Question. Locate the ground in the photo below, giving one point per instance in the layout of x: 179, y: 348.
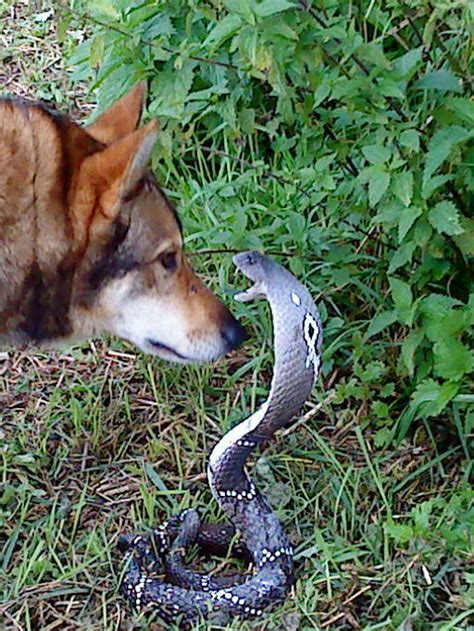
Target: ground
x: 100, y: 439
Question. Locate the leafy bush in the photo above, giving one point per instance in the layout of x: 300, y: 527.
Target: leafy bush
x: 338, y: 134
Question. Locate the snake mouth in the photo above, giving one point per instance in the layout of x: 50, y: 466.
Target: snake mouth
x: 255, y: 292
x: 250, y: 264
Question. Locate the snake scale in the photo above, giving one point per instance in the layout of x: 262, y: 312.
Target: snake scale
x: 185, y: 596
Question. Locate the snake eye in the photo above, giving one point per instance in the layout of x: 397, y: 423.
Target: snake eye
x: 169, y: 261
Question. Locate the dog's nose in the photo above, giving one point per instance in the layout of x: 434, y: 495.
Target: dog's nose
x: 233, y: 333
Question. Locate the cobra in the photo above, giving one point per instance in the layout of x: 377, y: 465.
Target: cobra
x: 186, y: 596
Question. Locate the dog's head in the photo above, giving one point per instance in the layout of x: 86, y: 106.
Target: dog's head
x: 136, y: 281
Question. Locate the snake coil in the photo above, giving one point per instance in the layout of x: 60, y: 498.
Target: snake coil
x: 186, y: 596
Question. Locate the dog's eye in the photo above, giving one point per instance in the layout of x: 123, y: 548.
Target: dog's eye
x: 169, y: 261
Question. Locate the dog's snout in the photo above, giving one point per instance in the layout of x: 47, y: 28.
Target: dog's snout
x: 233, y: 333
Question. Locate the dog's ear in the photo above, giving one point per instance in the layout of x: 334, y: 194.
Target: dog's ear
x: 111, y: 174
x: 120, y: 119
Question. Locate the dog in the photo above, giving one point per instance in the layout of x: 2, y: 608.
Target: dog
x: 90, y: 244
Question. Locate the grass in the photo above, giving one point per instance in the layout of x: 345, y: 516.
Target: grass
x: 99, y: 440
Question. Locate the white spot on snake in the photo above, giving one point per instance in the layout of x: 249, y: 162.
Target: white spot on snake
x: 295, y: 299
x: 311, y: 332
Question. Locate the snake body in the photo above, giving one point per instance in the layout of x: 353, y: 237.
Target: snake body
x: 187, y: 596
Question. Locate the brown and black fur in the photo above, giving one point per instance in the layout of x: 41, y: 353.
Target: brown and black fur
x: 90, y: 244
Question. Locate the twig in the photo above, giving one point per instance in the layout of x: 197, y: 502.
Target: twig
x: 334, y: 619
x: 453, y: 62
x: 237, y: 250
x: 149, y: 42
x: 309, y: 9
x: 309, y: 414
x: 348, y: 600
x: 398, y: 576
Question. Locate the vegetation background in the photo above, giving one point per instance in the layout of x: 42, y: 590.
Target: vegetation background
x: 336, y: 135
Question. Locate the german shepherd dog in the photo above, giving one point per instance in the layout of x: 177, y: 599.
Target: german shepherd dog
x: 89, y: 243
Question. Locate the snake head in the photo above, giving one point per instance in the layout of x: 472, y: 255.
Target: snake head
x: 253, y: 265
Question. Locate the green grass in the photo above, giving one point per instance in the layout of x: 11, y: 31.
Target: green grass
x: 100, y: 440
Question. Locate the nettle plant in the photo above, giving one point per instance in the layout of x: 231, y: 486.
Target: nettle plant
x: 340, y: 134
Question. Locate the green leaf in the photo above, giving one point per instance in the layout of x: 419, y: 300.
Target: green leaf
x: 383, y: 437
x: 422, y: 232
x: 421, y: 514
x: 464, y: 108
x: 224, y: 29
x: 103, y: 7
x: 158, y: 26
x: 244, y: 8
x: 247, y: 120
x: 402, y: 256
x: 430, y: 398
x: 440, y: 147
x: 443, y: 316
x: 410, y: 138
x: 154, y: 477
x: 444, y: 217
x: 378, y: 184
x: 452, y: 359
x: 408, y: 217
x: 402, y: 186
x: 374, y: 54
x: 376, y: 154
x: 408, y: 349
x: 63, y: 25
x: 97, y: 51
x: 296, y: 265
x: 407, y: 63
x: 170, y: 89
x: 432, y: 184
x: 381, y: 322
x: 271, y: 7
x: 442, y: 80
x: 401, y: 533
x: 322, y: 92
x: 279, y: 28
x: 465, y: 241
x: 403, y: 299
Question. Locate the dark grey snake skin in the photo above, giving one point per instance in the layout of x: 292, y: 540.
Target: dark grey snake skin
x: 186, y: 596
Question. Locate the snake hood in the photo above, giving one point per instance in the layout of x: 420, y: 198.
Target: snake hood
x: 297, y: 334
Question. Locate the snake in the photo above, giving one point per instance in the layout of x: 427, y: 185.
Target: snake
x: 184, y: 596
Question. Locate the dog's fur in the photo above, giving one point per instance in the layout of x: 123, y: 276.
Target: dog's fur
x: 90, y: 244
